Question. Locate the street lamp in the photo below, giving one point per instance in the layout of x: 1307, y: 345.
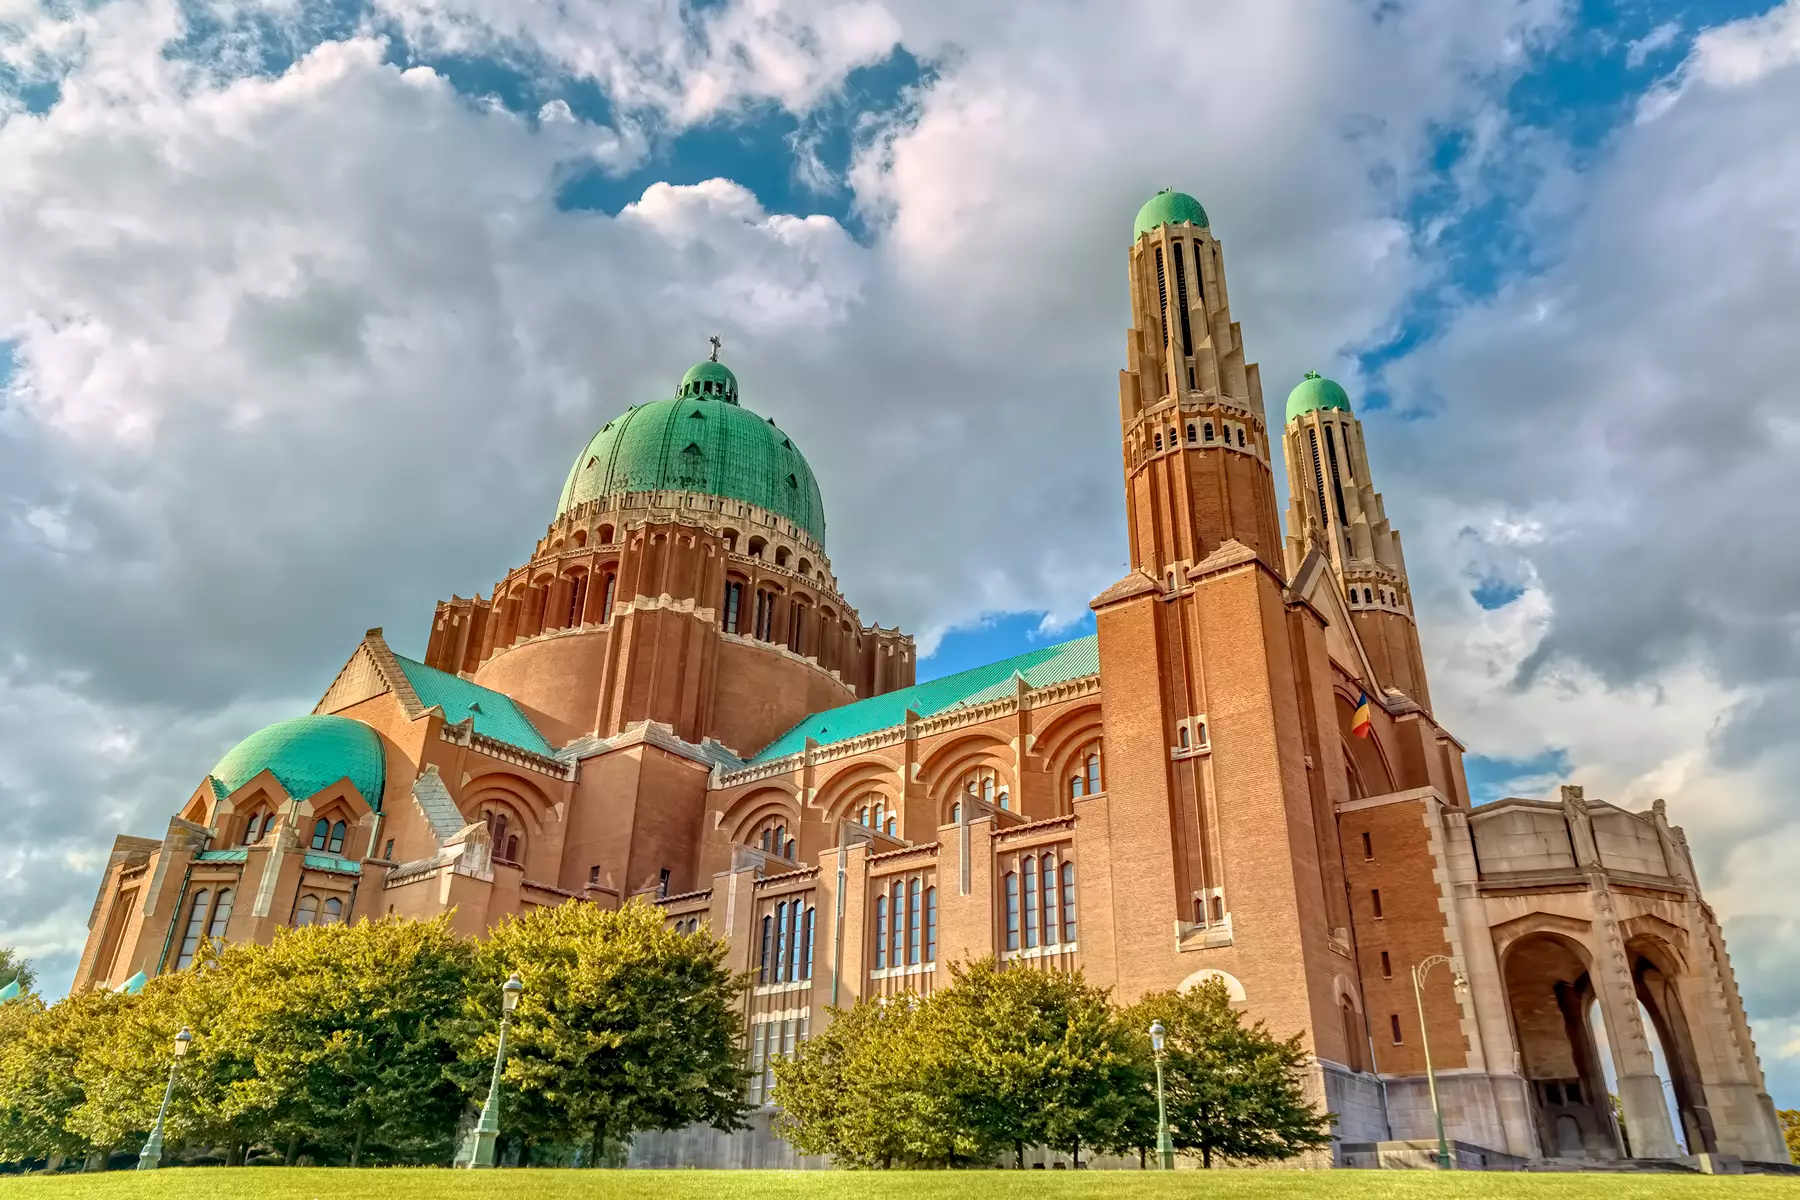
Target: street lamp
x: 1165, y: 1147
x: 487, y: 1129
x: 150, y: 1157
x: 1461, y: 982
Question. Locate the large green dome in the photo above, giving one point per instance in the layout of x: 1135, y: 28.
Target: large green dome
x: 1315, y: 392
x: 1168, y: 207
x: 699, y: 440
x: 309, y: 754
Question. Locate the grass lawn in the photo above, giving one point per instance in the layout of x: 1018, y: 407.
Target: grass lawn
x: 309, y: 1183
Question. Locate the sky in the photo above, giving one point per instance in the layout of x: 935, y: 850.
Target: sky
x: 306, y: 306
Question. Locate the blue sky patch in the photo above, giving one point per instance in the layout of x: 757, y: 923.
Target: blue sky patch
x: 1001, y: 635
x: 1493, y: 593
x: 1493, y: 779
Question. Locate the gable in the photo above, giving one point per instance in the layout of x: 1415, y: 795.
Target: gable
x: 1316, y: 583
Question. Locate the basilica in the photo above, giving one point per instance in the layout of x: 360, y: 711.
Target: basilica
x: 1238, y: 777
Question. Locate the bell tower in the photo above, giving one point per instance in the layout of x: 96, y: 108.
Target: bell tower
x: 1195, y: 441
x: 1333, y: 508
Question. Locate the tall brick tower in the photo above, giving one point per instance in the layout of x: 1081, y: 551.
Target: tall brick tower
x: 1223, y: 850
x: 1333, y: 508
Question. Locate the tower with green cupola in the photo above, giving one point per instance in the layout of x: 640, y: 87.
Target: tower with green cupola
x: 1334, y: 509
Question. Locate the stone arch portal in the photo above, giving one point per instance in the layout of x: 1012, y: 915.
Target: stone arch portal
x: 1551, y: 997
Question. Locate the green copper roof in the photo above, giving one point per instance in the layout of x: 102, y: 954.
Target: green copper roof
x: 331, y: 862
x: 1313, y: 393
x: 724, y: 383
x: 977, y: 685
x: 1168, y: 207
x: 309, y: 754
x: 699, y: 443
x: 496, y: 716
x: 222, y: 856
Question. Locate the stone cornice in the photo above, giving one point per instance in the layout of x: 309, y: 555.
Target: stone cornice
x: 463, y: 734
x: 1046, y: 825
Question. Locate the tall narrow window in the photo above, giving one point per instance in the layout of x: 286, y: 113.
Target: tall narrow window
x: 913, y: 919
x: 307, y: 913
x: 987, y: 789
x: 1206, y: 431
x: 1387, y: 966
x: 577, y: 598
x: 1068, y: 902
x: 781, y: 941
x: 336, y: 845
x: 1193, y: 435
x: 268, y: 824
x: 1181, y: 299
x: 1337, y: 484
x: 1375, y: 899
x: 931, y: 924
x: 881, y: 923
x: 250, y: 830
x: 1075, y: 792
x: 795, y: 929
x: 1312, y: 437
x: 334, y: 912
x: 807, y: 956
x: 196, y: 926
x: 321, y: 833
x: 1028, y: 870
x: 1048, y: 874
x: 221, y: 916
x: 768, y: 944
x: 1200, y: 276
x: 606, y: 598
x: 1162, y: 294
x: 1368, y: 846
x: 759, y: 1050
x: 1394, y: 1021
x: 1012, y: 910
x: 1093, y: 774
x: 734, y: 599
x: 898, y: 947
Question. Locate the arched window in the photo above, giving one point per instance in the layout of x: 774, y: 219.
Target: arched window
x: 308, y: 911
x: 321, y: 833
x: 1192, y: 437
x: 931, y: 924
x: 334, y: 912
x: 1200, y: 732
x: 1218, y: 908
x: 1028, y: 870
x: 881, y: 924
x: 768, y: 837
x: 1368, y: 597
x: 781, y: 942
x: 196, y: 926
x: 1093, y: 773
x: 1075, y: 788
x: 250, y: 829
x: 956, y: 813
x: 1240, y: 437
x: 807, y: 952
x: 268, y: 823
x: 768, y: 936
x: 512, y: 849
x: 862, y: 817
x: 607, y: 587
x: 913, y: 919
x: 336, y: 845
x: 1182, y: 739
x: 1159, y: 441
x: 1048, y: 875
x: 221, y: 916
x: 580, y: 538
x: 1068, y: 902
x: 606, y: 535
x: 781, y: 556
x: 1207, y: 431
x: 756, y: 547
x: 1012, y: 910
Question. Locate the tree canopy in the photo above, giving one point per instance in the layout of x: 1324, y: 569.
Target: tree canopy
x: 16, y: 968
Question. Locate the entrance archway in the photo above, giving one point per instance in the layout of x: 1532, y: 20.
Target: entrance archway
x: 1550, y: 994
x: 1654, y: 969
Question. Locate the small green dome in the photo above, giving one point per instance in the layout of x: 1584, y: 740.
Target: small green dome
x: 699, y: 441
x: 1168, y: 207
x: 724, y: 383
x: 1316, y: 392
x: 308, y: 755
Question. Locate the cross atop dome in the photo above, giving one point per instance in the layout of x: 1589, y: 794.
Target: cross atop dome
x: 716, y: 343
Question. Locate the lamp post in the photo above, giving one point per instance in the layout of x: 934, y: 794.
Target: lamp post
x: 150, y: 1157
x: 487, y: 1129
x: 1165, y: 1147
x: 1419, y: 972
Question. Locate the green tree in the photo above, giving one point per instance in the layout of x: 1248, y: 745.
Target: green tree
x: 1790, y: 1131
x: 15, y: 967
x: 40, y: 1089
x: 625, y: 1025
x: 350, y: 1034
x: 1033, y: 1057
x: 864, y: 1092
x: 1233, y: 1089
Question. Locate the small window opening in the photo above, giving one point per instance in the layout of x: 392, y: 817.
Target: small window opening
x: 1387, y: 966
x: 1207, y: 431
x: 1193, y: 434
x: 1375, y: 899
x: 1394, y: 1021
x: 1368, y: 846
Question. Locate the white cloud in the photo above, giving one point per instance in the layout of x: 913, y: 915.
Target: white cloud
x: 1661, y: 38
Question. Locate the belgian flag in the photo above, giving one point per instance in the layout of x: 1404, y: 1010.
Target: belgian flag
x: 1361, y: 724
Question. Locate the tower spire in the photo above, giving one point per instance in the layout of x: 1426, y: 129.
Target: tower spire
x: 1333, y: 508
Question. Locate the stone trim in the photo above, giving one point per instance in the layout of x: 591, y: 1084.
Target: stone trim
x: 463, y: 734
x: 1045, y: 825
